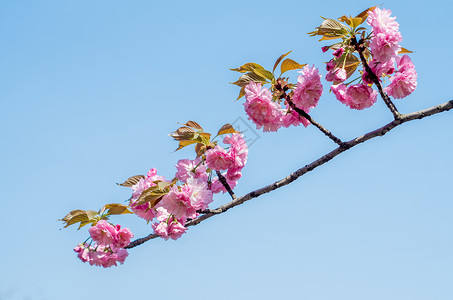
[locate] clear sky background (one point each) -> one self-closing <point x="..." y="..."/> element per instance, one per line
<point x="89" y="91"/>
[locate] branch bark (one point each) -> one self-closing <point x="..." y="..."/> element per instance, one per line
<point x="320" y="161"/>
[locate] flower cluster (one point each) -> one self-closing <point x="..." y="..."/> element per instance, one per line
<point x="266" y="113"/>
<point x="108" y="247"/>
<point x="183" y="202"/>
<point x="384" y="49"/>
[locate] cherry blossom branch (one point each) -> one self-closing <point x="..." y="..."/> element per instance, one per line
<point x="320" y="161"/>
<point x="303" y="114"/>
<point x="359" y="47"/>
<point x="226" y="185"/>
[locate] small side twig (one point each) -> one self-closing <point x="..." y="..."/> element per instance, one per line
<point x="360" y="48"/>
<point x="226" y="185"/>
<point x="303" y="114"/>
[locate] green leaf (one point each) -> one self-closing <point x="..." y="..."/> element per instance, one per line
<point x="133" y="180"/>
<point x="264" y="73"/>
<point x="289" y="64"/>
<point x="227" y="128"/>
<point x="279" y="60"/>
<point x="247" y="67"/>
<point x="116" y="209"/>
<point x="247" y="78"/>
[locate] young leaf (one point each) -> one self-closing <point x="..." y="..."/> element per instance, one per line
<point x="364" y="14"/>
<point x="76" y="216"/>
<point x="183" y="133"/>
<point x="247" y="78"/>
<point x="151" y="195"/>
<point x="193" y="124"/>
<point x="345" y="19"/>
<point x="241" y="93"/>
<point x="264" y="73"/>
<point x="247" y="67"/>
<point x="357" y="21"/>
<point x="116" y="209"/>
<point x="133" y="180"/>
<point x="404" y="50"/>
<point x="279" y="60"/>
<point x="227" y="128"/>
<point x="330" y="29"/>
<point x="289" y="64"/>
<point x="183" y="144"/>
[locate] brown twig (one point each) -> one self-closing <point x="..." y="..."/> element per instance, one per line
<point x="226" y="185"/>
<point x="359" y="47"/>
<point x="320" y="161"/>
<point x="282" y="88"/>
<point x="303" y="114"/>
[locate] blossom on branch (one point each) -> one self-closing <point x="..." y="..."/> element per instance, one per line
<point x="260" y="108"/>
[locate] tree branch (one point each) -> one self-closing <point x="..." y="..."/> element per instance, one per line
<point x="320" y="161"/>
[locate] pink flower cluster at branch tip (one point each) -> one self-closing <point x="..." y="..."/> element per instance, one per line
<point x="99" y="255"/>
<point x="309" y="88"/>
<point x="358" y="96"/>
<point x="109" y="243"/>
<point x="183" y="201"/>
<point x="106" y="234"/>
<point x="404" y="81"/>
<point x="260" y="108"/>
<point x="237" y="153"/>
<point x="168" y="226"/>
<point x="384" y="43"/>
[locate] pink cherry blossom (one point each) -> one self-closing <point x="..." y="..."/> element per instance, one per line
<point x="294" y="119"/>
<point x="100" y="255"/>
<point x="308" y="89"/>
<point x="185" y="200"/>
<point x="337" y="75"/>
<point x="103" y="233"/>
<point x="217" y="186"/>
<point x="82" y="252"/>
<point x="191" y="168"/>
<point x="260" y="108"/>
<point x="218" y="159"/>
<point x="339" y="52"/>
<point x="168" y="226"/>
<point x="381" y="21"/>
<point x="384" y="43"/>
<point x="238" y="150"/>
<point x="358" y="96"/>
<point x="404" y="82"/>
<point x="123" y="238"/>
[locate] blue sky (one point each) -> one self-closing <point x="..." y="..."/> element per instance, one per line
<point x="90" y="91"/>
